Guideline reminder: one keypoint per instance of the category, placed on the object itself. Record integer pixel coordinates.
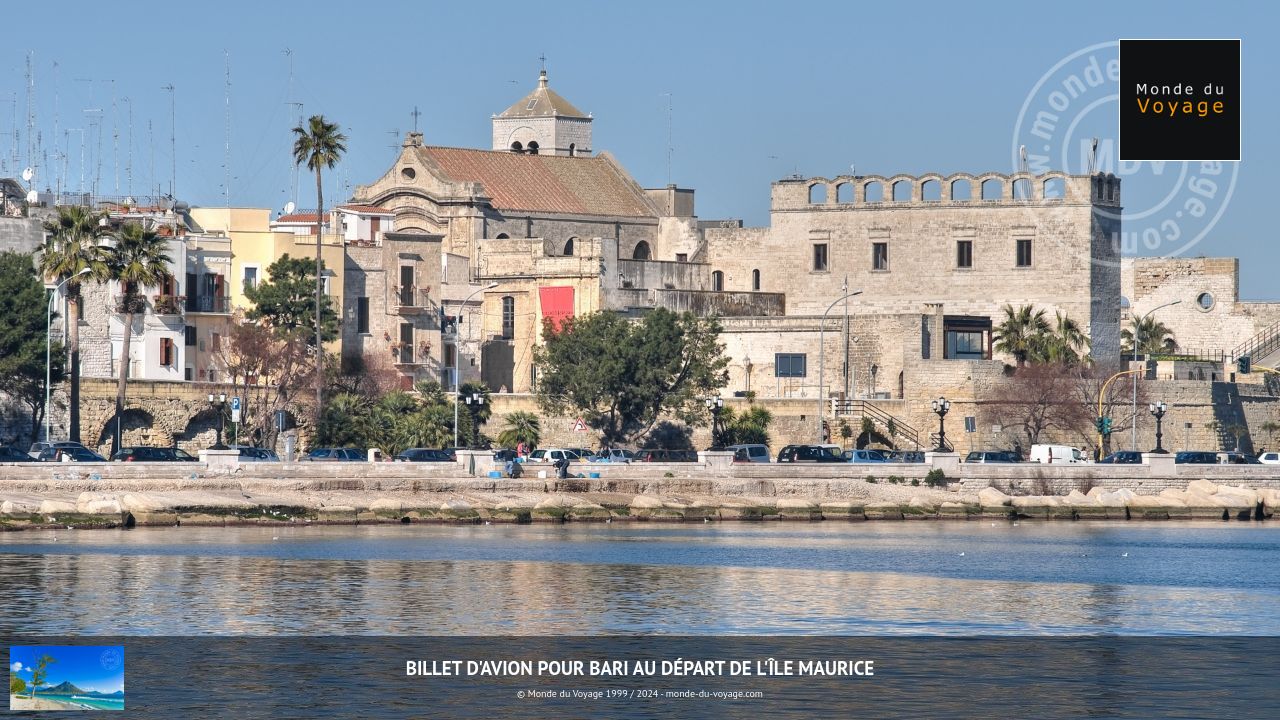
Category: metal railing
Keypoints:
(169, 304)
(208, 303)
(877, 415)
(1261, 345)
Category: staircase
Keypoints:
(883, 420)
(1260, 347)
(946, 445)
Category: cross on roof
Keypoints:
(415, 115)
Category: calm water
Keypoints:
(776, 578)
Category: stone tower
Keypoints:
(543, 123)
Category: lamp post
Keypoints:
(715, 405)
(48, 344)
(1137, 343)
(941, 406)
(218, 402)
(475, 400)
(822, 356)
(1158, 410)
(457, 386)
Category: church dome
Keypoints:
(542, 102)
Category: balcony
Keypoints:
(132, 303)
(404, 355)
(169, 304)
(410, 300)
(208, 304)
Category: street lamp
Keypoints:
(822, 356)
(716, 405)
(1137, 343)
(1158, 410)
(457, 386)
(475, 400)
(48, 343)
(941, 406)
(218, 402)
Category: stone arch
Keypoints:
(991, 188)
(641, 251)
(573, 149)
(499, 236)
(960, 188)
(875, 437)
(902, 189)
(200, 431)
(844, 193)
(568, 247)
(1053, 187)
(817, 193)
(517, 147)
(931, 189)
(137, 427)
(873, 190)
(532, 147)
(1021, 188)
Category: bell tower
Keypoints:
(543, 123)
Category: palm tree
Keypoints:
(1155, 336)
(1067, 343)
(139, 259)
(1022, 332)
(521, 427)
(70, 248)
(319, 144)
(1270, 427)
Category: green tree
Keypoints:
(40, 673)
(1066, 343)
(1022, 332)
(284, 301)
(22, 337)
(751, 426)
(16, 684)
(1154, 337)
(1270, 427)
(1238, 431)
(623, 376)
(139, 259)
(71, 252)
(477, 414)
(319, 145)
(521, 427)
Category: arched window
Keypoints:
(573, 150)
(508, 317)
(902, 191)
(818, 193)
(931, 191)
(568, 246)
(517, 147)
(1022, 189)
(717, 281)
(641, 252)
(992, 189)
(844, 193)
(873, 192)
(503, 236)
(533, 147)
(1054, 189)
(961, 190)
(755, 280)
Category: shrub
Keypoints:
(915, 482)
(896, 479)
(935, 478)
(871, 478)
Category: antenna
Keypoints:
(128, 168)
(115, 137)
(56, 133)
(1022, 158)
(293, 166)
(226, 151)
(669, 149)
(289, 207)
(173, 141)
(94, 122)
(151, 143)
(395, 136)
(1093, 156)
(31, 111)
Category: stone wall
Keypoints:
(20, 234)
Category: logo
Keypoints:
(1069, 122)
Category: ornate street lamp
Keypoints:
(474, 400)
(1158, 410)
(941, 406)
(716, 405)
(218, 402)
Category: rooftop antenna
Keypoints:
(1022, 158)
(128, 167)
(293, 167)
(1093, 156)
(151, 143)
(395, 138)
(669, 150)
(226, 150)
(173, 141)
(56, 129)
(115, 137)
(31, 115)
(95, 122)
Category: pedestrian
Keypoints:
(522, 450)
(562, 468)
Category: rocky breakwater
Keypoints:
(1202, 500)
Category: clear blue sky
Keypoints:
(758, 90)
(81, 665)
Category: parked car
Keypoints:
(1235, 458)
(613, 455)
(864, 456)
(337, 454)
(505, 455)
(553, 454)
(1269, 458)
(248, 453)
(1056, 455)
(38, 449)
(1123, 457)
(425, 455)
(1196, 457)
(142, 453)
(8, 454)
(666, 456)
(750, 452)
(70, 454)
(906, 456)
(992, 456)
(809, 454)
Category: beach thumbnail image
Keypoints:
(66, 677)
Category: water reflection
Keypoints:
(810, 579)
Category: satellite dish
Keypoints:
(130, 201)
(289, 207)
(27, 174)
(33, 197)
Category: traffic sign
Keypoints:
(579, 426)
(235, 409)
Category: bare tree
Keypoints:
(267, 370)
(1038, 401)
(1119, 403)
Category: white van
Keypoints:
(1056, 455)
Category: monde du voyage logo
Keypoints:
(1180, 100)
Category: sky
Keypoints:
(92, 668)
(742, 94)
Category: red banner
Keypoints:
(557, 304)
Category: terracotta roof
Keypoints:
(542, 102)
(366, 209)
(298, 218)
(544, 183)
